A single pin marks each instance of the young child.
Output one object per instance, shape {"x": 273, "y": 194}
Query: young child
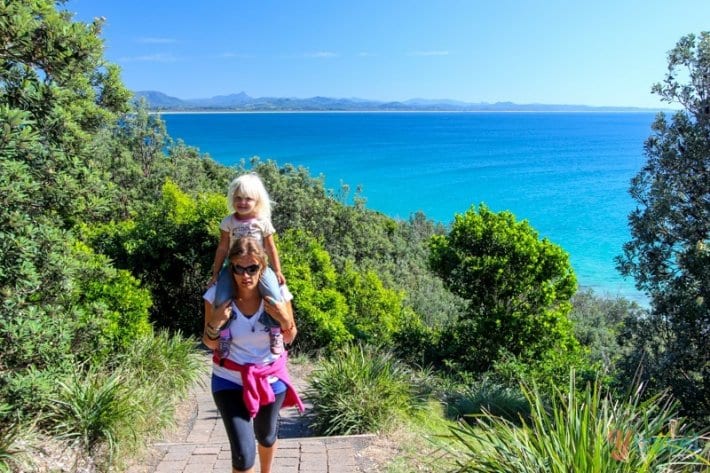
{"x": 250, "y": 208}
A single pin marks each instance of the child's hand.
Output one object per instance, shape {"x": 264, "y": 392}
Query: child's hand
{"x": 280, "y": 277}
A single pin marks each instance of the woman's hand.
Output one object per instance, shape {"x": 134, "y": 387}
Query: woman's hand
{"x": 221, "y": 314}
{"x": 282, "y": 312}
{"x": 277, "y": 310}
{"x": 215, "y": 318}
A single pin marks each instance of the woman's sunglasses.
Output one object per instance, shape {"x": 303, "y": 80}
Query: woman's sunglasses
{"x": 250, "y": 270}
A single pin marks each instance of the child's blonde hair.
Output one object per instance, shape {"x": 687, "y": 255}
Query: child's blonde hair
{"x": 250, "y": 185}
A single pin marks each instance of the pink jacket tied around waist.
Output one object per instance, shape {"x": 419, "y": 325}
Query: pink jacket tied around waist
{"x": 255, "y": 381}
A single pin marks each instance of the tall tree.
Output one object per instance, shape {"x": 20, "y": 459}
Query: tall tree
{"x": 518, "y": 290}
{"x": 669, "y": 253}
{"x": 55, "y": 84}
{"x": 56, "y": 92}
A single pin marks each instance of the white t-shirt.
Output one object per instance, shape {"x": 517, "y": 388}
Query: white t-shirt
{"x": 254, "y": 227}
{"x": 250, "y": 338}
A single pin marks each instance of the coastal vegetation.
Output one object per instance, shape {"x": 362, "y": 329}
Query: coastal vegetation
{"x": 108, "y": 229}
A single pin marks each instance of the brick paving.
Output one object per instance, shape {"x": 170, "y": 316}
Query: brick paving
{"x": 206, "y": 448}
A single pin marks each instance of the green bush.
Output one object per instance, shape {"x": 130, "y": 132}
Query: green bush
{"x": 361, "y": 390}
{"x": 580, "y": 432}
{"x": 115, "y": 308}
{"x": 489, "y": 397}
{"x": 170, "y": 247}
{"x": 320, "y": 308}
{"x": 415, "y": 342}
{"x": 600, "y": 324}
{"x": 374, "y": 311}
{"x": 166, "y": 363}
{"x": 160, "y": 370}
{"x": 94, "y": 409}
{"x": 517, "y": 287}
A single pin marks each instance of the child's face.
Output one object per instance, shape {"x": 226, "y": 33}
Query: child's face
{"x": 244, "y": 205}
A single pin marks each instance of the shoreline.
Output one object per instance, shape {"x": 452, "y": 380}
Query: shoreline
{"x": 254, "y": 112}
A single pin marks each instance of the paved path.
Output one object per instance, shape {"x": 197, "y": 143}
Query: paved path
{"x": 206, "y": 448}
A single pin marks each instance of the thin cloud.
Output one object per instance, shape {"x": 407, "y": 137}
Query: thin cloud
{"x": 322, "y": 54}
{"x": 229, "y": 55}
{"x": 150, "y": 58}
{"x": 149, "y": 40}
{"x": 429, "y": 53}
{"x": 366, "y": 54}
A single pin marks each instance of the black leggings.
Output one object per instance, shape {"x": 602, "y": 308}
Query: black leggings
{"x": 239, "y": 427}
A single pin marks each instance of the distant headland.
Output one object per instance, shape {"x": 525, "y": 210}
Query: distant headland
{"x": 241, "y": 102}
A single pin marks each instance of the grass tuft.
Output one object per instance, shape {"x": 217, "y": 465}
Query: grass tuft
{"x": 94, "y": 409}
{"x": 360, "y": 391}
{"x": 582, "y": 432}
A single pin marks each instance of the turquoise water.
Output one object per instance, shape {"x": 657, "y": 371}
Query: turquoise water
{"x": 566, "y": 173}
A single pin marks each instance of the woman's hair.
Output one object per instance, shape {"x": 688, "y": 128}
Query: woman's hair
{"x": 250, "y": 185}
{"x": 248, "y": 246}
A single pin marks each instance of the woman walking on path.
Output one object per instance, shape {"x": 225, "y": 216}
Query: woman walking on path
{"x": 250, "y": 384}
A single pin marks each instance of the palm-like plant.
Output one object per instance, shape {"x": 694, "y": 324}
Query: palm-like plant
{"x": 94, "y": 410}
{"x": 583, "y": 432}
{"x": 9, "y": 433}
{"x": 361, "y": 391}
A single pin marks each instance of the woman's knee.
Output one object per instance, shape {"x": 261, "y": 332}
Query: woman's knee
{"x": 267, "y": 435}
{"x": 242, "y": 462}
{"x": 266, "y": 422}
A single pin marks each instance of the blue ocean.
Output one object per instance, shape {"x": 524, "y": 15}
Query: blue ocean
{"x": 567, "y": 174}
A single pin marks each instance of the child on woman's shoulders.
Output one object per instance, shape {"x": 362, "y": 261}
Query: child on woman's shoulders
{"x": 250, "y": 215}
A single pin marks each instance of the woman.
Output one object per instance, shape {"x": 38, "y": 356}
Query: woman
{"x": 250, "y": 384}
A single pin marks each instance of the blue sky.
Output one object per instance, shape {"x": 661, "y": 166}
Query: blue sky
{"x": 604, "y": 52}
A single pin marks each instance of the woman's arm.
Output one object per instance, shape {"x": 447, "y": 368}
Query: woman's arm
{"x": 282, "y": 312}
{"x": 220, "y": 255}
{"x": 273, "y": 254}
{"x": 215, "y": 318}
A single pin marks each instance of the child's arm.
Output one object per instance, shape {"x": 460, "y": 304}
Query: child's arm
{"x": 219, "y": 256}
{"x": 270, "y": 248}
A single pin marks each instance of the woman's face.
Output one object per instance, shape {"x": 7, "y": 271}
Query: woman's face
{"x": 246, "y": 271}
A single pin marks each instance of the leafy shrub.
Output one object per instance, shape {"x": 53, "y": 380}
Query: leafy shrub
{"x": 414, "y": 342}
{"x": 374, "y": 311}
{"x": 580, "y": 432}
{"x": 170, "y": 247}
{"x": 549, "y": 371}
{"x": 359, "y": 390}
{"x": 518, "y": 289}
{"x": 320, "y": 308}
{"x": 599, "y": 325}
{"x": 114, "y": 304}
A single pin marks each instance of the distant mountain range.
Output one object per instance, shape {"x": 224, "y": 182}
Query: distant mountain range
{"x": 159, "y": 101}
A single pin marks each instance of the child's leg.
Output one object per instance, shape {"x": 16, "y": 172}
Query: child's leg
{"x": 269, "y": 286}
{"x": 225, "y": 287}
